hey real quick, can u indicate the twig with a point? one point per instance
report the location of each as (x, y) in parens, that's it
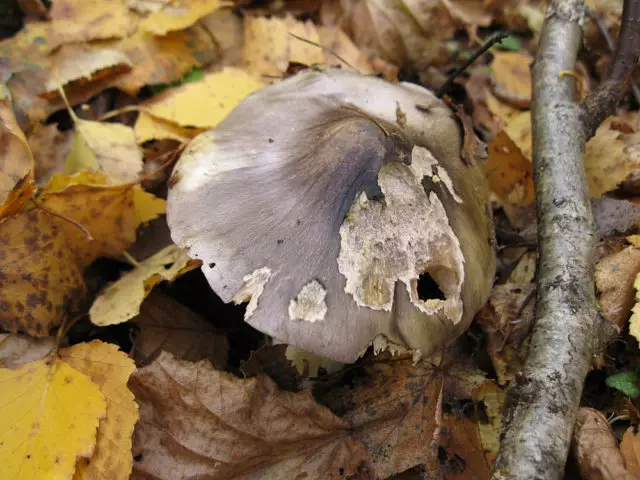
(604, 31)
(544, 401)
(447, 85)
(65, 218)
(602, 101)
(325, 49)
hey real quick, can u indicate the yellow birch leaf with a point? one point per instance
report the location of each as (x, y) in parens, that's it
(17, 184)
(205, 103)
(50, 415)
(634, 321)
(107, 147)
(109, 368)
(40, 280)
(606, 159)
(269, 47)
(152, 128)
(340, 49)
(122, 299)
(179, 15)
(147, 205)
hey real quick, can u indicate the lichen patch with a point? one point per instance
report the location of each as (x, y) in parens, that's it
(252, 289)
(310, 304)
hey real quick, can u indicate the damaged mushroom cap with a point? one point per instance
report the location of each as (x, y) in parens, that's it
(325, 201)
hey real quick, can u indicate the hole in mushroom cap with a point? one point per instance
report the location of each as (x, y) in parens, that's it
(428, 288)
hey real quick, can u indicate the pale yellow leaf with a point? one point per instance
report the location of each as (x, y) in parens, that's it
(512, 72)
(109, 368)
(121, 300)
(634, 321)
(110, 148)
(50, 415)
(153, 128)
(205, 103)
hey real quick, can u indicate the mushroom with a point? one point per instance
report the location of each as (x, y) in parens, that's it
(340, 208)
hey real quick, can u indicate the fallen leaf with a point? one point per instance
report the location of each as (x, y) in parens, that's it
(18, 350)
(40, 281)
(512, 74)
(468, 13)
(634, 321)
(609, 159)
(614, 279)
(178, 15)
(203, 104)
(16, 163)
(339, 50)
(630, 448)
(197, 421)
(269, 45)
(157, 60)
(148, 206)
(595, 448)
(509, 173)
(167, 325)
(147, 6)
(50, 418)
(152, 128)
(50, 147)
(29, 45)
(121, 300)
(525, 271)
(109, 148)
(109, 369)
(82, 20)
(76, 66)
(107, 212)
(227, 28)
(272, 360)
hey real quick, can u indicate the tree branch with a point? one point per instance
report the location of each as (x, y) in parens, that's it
(603, 101)
(544, 401)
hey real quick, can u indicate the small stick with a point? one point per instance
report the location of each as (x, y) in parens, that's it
(65, 218)
(447, 85)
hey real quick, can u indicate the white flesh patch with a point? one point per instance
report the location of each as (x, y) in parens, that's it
(252, 289)
(310, 303)
(400, 238)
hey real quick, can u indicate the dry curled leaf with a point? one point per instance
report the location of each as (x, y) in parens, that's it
(630, 448)
(197, 421)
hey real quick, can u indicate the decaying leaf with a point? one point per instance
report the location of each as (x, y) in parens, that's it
(16, 162)
(109, 369)
(122, 299)
(50, 147)
(166, 325)
(40, 280)
(630, 448)
(18, 350)
(615, 275)
(50, 418)
(197, 421)
(596, 450)
(280, 201)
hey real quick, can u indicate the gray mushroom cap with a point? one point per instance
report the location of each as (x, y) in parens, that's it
(322, 199)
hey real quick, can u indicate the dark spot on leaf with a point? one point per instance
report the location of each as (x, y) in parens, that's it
(167, 266)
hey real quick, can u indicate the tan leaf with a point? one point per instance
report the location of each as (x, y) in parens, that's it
(197, 421)
(122, 299)
(341, 51)
(512, 73)
(614, 278)
(630, 448)
(50, 147)
(179, 15)
(166, 325)
(269, 46)
(16, 163)
(159, 60)
(109, 369)
(18, 350)
(40, 281)
(596, 450)
(83, 20)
